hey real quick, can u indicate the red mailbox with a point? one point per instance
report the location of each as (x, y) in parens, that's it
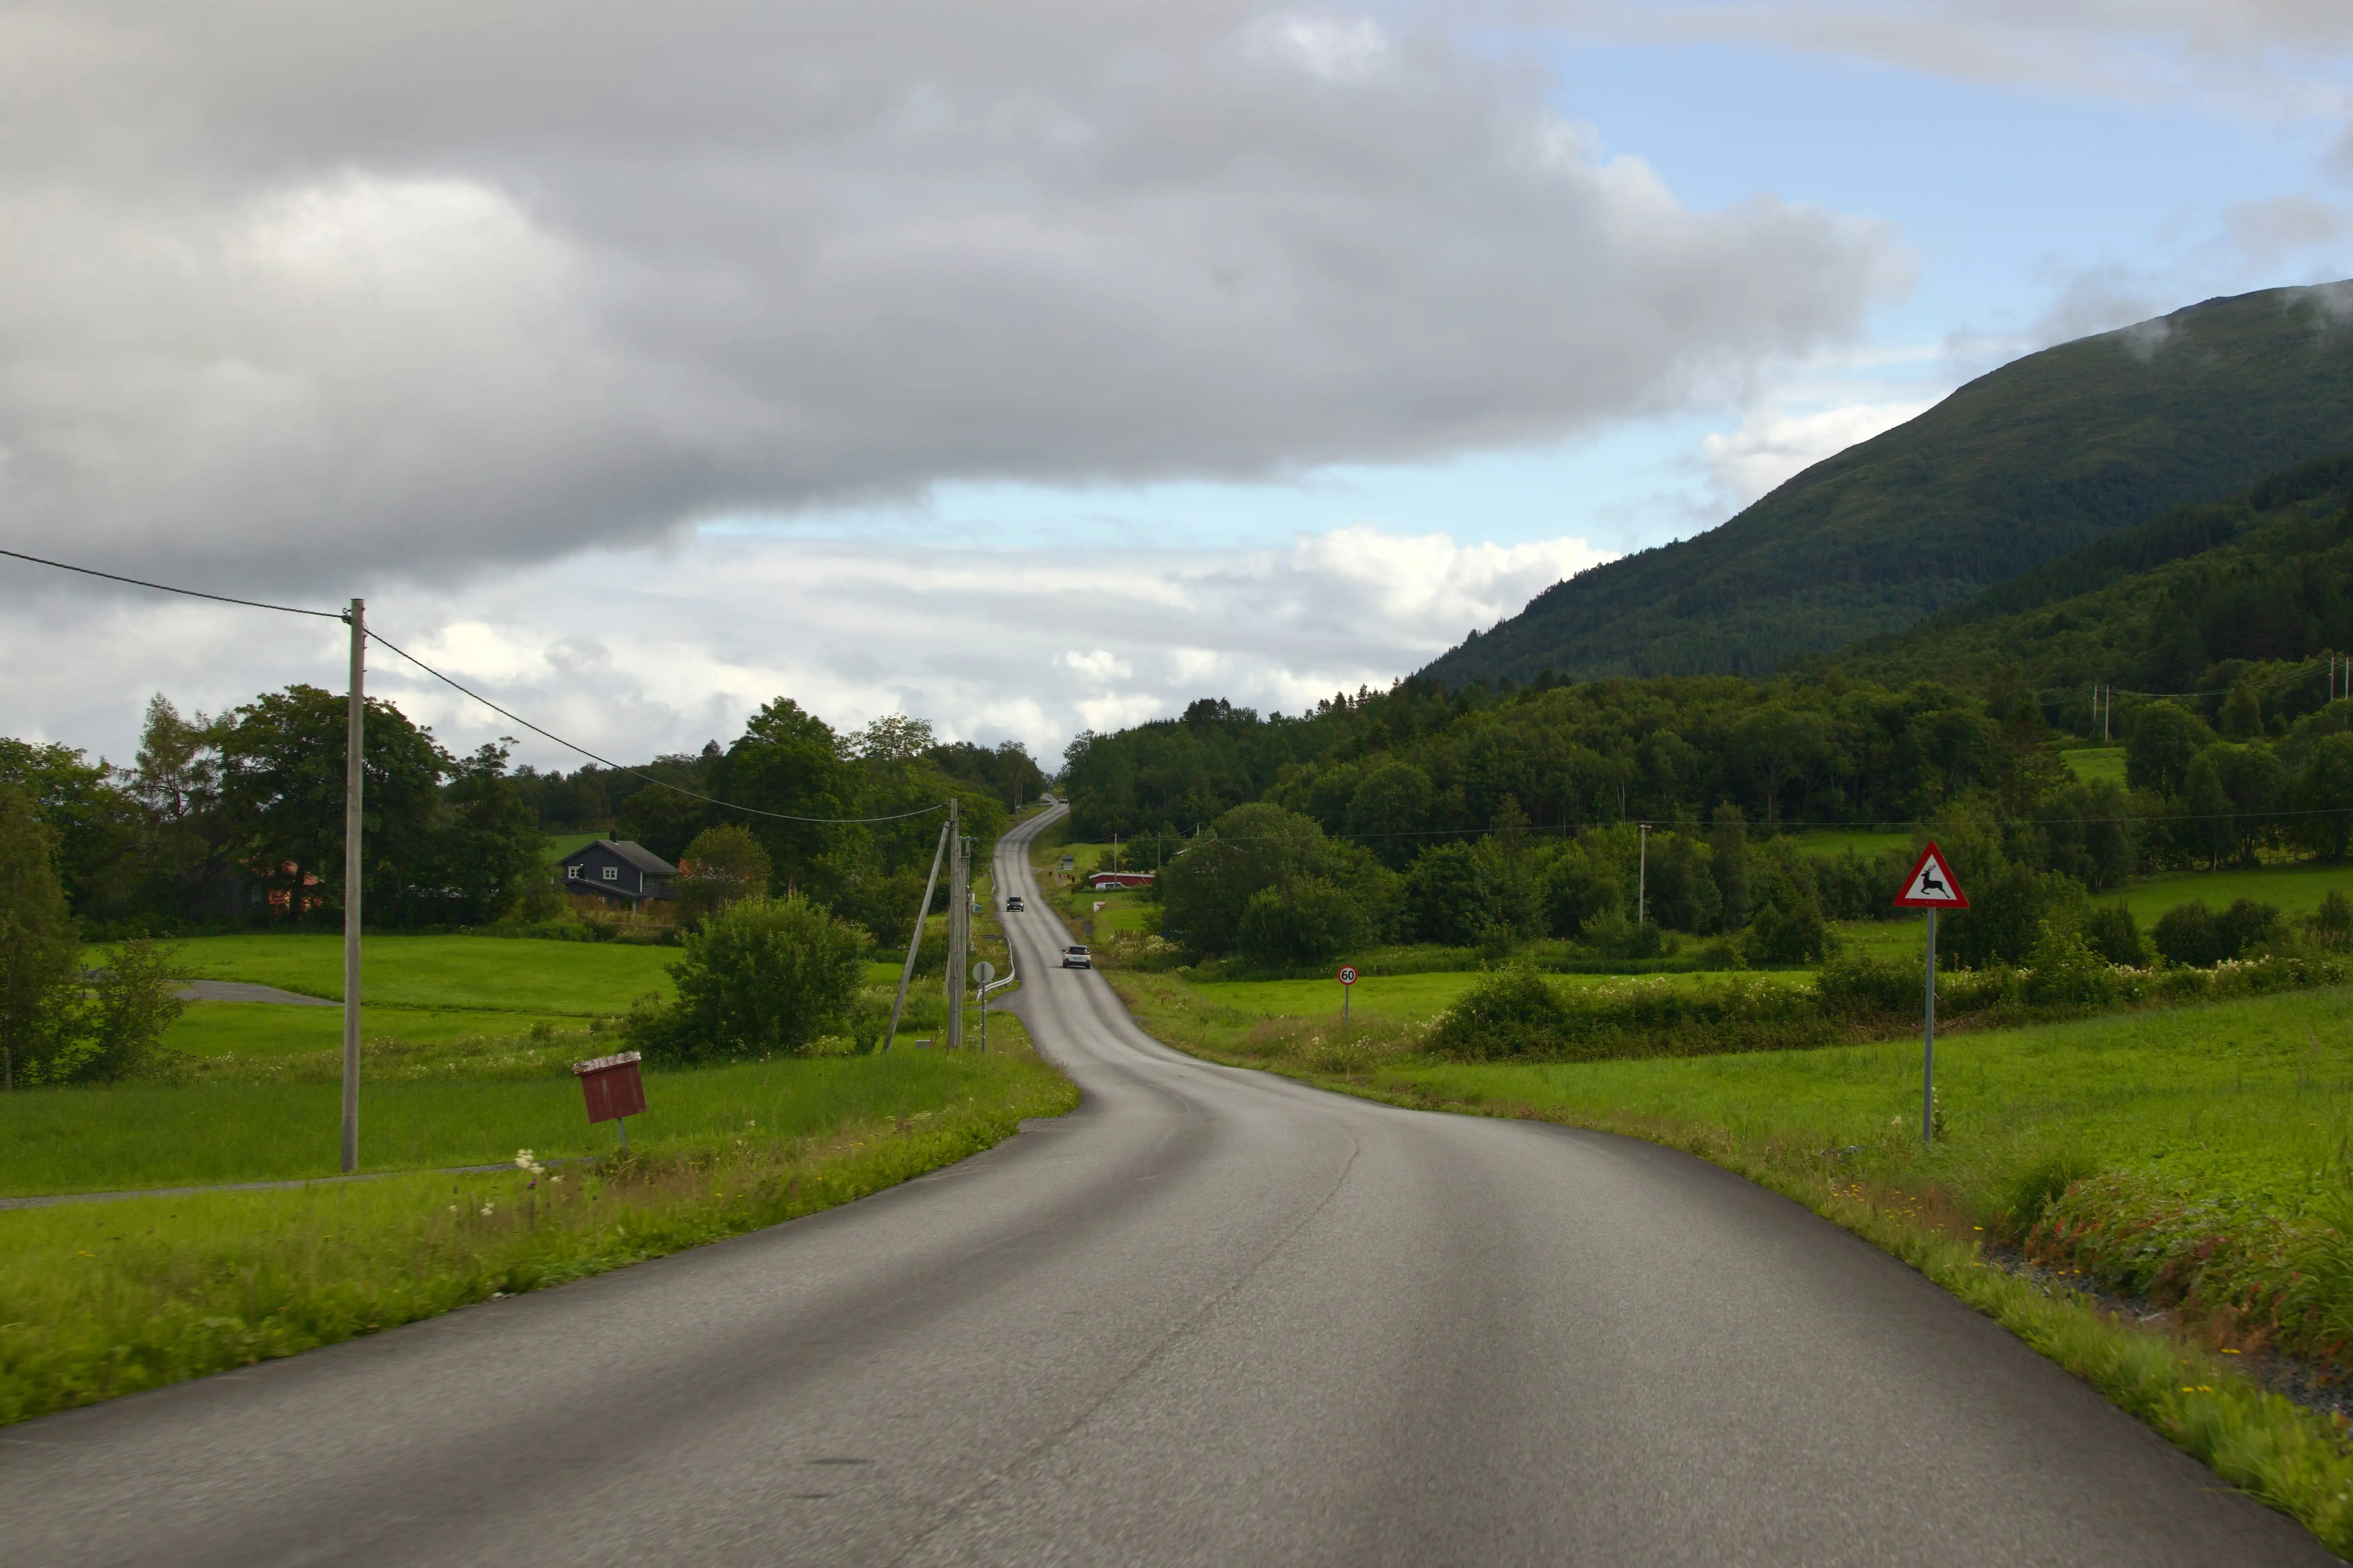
(613, 1089)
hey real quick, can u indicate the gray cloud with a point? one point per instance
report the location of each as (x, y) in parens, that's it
(302, 292)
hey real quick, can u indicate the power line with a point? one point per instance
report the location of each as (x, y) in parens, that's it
(168, 588)
(503, 713)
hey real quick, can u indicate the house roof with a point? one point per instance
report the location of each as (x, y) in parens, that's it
(629, 851)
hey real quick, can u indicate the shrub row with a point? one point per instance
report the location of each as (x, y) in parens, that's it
(1517, 1014)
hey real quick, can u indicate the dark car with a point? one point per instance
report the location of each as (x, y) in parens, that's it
(1013, 903)
(1077, 958)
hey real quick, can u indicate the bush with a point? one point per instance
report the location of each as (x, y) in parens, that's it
(2246, 925)
(2111, 931)
(1857, 985)
(1515, 1014)
(2185, 934)
(2332, 923)
(1779, 935)
(2193, 935)
(1512, 1012)
(2062, 971)
(761, 976)
(1612, 935)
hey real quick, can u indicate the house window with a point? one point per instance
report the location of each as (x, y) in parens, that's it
(572, 873)
(612, 873)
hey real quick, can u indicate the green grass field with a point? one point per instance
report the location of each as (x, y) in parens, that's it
(578, 979)
(154, 1135)
(1865, 841)
(559, 845)
(1392, 998)
(2293, 889)
(275, 1030)
(2095, 764)
(2249, 1098)
(100, 1299)
(2252, 1099)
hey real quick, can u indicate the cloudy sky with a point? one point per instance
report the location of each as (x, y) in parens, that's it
(1037, 366)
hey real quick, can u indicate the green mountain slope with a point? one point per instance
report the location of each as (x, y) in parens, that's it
(2206, 597)
(2022, 466)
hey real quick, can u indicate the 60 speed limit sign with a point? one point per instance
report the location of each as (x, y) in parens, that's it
(1347, 975)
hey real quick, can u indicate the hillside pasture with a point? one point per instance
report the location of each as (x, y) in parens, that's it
(573, 979)
(210, 1029)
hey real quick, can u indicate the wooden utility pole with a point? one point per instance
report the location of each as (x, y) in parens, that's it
(915, 943)
(354, 775)
(959, 925)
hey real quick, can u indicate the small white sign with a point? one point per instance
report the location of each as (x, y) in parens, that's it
(983, 972)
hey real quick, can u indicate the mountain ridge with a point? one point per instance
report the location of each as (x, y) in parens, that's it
(2023, 465)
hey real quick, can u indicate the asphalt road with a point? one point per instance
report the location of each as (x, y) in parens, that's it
(1210, 1317)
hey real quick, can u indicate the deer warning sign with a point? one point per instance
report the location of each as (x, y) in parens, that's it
(1931, 885)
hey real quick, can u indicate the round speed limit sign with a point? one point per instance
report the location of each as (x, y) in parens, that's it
(1347, 975)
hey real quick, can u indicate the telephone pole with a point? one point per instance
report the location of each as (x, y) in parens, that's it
(959, 924)
(354, 738)
(1642, 881)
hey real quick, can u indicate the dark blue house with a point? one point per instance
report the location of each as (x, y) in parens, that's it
(619, 871)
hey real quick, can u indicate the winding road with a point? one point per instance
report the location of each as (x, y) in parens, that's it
(1210, 1317)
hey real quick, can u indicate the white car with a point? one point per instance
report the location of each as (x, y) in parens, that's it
(1077, 958)
(1013, 903)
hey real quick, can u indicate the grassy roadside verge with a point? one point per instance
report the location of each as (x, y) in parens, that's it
(98, 1300)
(2236, 1097)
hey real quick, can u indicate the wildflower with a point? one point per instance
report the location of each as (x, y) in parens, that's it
(523, 1162)
(486, 1210)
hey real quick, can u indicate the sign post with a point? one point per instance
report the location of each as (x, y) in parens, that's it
(1347, 982)
(982, 973)
(1931, 887)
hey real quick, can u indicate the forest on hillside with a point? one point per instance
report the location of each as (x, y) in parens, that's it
(2034, 460)
(1489, 814)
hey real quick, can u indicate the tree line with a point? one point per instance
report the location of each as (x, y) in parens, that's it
(1495, 815)
(236, 819)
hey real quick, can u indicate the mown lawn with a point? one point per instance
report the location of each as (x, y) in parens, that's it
(506, 974)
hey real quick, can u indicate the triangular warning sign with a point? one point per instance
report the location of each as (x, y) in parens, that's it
(1932, 885)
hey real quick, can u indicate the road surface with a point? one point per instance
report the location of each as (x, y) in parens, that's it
(1210, 1317)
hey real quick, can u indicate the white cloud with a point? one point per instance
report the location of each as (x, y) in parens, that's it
(640, 651)
(1772, 445)
(298, 295)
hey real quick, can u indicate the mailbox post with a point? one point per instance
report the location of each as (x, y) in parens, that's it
(614, 1090)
